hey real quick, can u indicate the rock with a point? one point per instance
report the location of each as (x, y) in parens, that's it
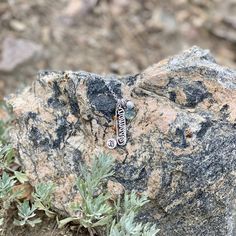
(82, 7)
(17, 25)
(223, 23)
(163, 21)
(181, 147)
(15, 52)
(117, 7)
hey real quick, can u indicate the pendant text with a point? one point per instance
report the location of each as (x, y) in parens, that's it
(120, 125)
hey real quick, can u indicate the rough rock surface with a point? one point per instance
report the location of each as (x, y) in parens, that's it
(181, 146)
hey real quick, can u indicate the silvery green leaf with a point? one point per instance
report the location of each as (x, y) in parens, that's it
(6, 184)
(26, 213)
(150, 230)
(43, 192)
(32, 223)
(132, 202)
(65, 221)
(19, 222)
(22, 177)
(104, 221)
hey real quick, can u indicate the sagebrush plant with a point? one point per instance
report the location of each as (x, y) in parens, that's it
(27, 215)
(6, 156)
(43, 197)
(125, 223)
(10, 179)
(7, 181)
(127, 226)
(5, 125)
(6, 149)
(96, 210)
(6, 185)
(7, 197)
(41, 201)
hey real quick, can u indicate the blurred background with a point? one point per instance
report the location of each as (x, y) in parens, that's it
(107, 36)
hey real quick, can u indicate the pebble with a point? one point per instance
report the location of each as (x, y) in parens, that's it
(17, 25)
(16, 51)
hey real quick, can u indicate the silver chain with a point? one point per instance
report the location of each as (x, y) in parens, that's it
(112, 92)
(118, 100)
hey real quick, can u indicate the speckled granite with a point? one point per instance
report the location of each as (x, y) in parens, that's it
(181, 147)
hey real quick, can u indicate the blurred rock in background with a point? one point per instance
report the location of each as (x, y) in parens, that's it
(107, 36)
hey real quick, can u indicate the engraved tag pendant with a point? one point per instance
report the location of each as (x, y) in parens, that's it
(120, 125)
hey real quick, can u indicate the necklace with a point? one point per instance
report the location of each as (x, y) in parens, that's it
(120, 125)
(123, 107)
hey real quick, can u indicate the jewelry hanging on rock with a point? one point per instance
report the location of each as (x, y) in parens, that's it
(124, 111)
(129, 112)
(120, 124)
(111, 143)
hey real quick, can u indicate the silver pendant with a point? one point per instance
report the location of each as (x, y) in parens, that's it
(120, 125)
(129, 105)
(111, 143)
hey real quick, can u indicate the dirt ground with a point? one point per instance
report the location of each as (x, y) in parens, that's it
(105, 36)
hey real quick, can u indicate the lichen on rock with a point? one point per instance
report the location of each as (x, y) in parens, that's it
(181, 147)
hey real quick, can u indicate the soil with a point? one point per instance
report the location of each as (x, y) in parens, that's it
(105, 36)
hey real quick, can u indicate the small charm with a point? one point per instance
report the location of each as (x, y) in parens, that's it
(129, 105)
(129, 111)
(130, 114)
(120, 125)
(111, 143)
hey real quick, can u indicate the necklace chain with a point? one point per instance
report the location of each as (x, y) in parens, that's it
(111, 91)
(118, 100)
(121, 129)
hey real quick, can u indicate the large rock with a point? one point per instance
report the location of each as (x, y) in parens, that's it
(181, 146)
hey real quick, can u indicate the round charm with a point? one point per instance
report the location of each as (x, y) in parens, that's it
(111, 143)
(130, 105)
(130, 114)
